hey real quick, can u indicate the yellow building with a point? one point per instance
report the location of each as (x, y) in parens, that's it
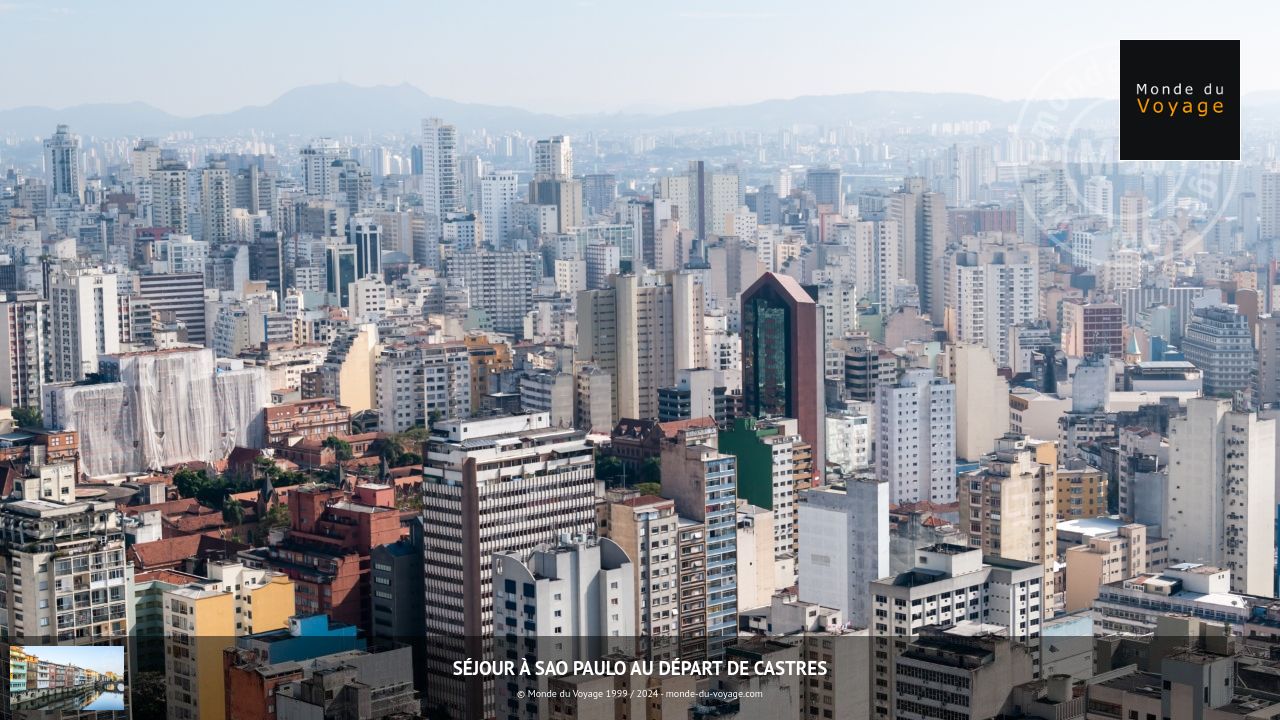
(1082, 493)
(203, 618)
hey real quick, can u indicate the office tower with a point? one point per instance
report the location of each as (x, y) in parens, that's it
(921, 219)
(24, 349)
(352, 185)
(844, 545)
(572, 600)
(62, 162)
(782, 357)
(317, 160)
(507, 483)
(500, 284)
(499, 193)
(602, 261)
(366, 236)
(824, 184)
(642, 330)
(417, 384)
(916, 451)
(1218, 340)
(202, 616)
(170, 205)
(84, 321)
(1008, 506)
(553, 158)
(982, 406)
(702, 482)
(340, 272)
(216, 201)
(993, 287)
(1266, 388)
(1099, 198)
(52, 546)
(599, 191)
(166, 407)
(1221, 506)
(267, 263)
(951, 584)
(1092, 328)
(176, 297)
(439, 174)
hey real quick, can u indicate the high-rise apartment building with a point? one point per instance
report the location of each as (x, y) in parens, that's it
(62, 162)
(217, 197)
(992, 288)
(982, 406)
(170, 201)
(1008, 506)
(916, 448)
(642, 330)
(84, 321)
(553, 157)
(1092, 328)
(499, 193)
(416, 384)
(844, 544)
(24, 349)
(500, 484)
(500, 284)
(1221, 508)
(440, 192)
(921, 219)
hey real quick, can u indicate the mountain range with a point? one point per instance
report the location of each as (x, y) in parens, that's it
(345, 109)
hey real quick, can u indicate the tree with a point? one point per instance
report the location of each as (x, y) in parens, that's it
(648, 488)
(277, 516)
(233, 512)
(609, 469)
(651, 471)
(28, 417)
(341, 448)
(147, 694)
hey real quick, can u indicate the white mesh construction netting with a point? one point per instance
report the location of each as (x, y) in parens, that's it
(169, 407)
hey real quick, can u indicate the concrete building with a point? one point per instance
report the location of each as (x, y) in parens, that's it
(642, 331)
(646, 527)
(574, 598)
(479, 478)
(499, 284)
(951, 584)
(62, 162)
(1221, 505)
(1110, 558)
(84, 321)
(849, 441)
(416, 383)
(24, 349)
(982, 411)
(703, 483)
(992, 288)
(1092, 328)
(1008, 507)
(961, 671)
(1218, 340)
(916, 438)
(844, 545)
(1082, 491)
(1135, 605)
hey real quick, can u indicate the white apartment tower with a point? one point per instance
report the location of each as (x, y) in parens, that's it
(916, 452)
(499, 192)
(84, 321)
(844, 544)
(439, 173)
(993, 287)
(1220, 506)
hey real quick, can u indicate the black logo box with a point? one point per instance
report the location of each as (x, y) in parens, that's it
(1187, 68)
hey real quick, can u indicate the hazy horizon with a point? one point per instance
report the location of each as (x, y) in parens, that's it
(584, 57)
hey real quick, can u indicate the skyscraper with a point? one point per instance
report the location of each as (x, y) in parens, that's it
(1219, 342)
(24, 318)
(642, 330)
(824, 183)
(366, 236)
(1221, 507)
(500, 484)
(439, 173)
(84, 321)
(782, 357)
(216, 199)
(553, 158)
(62, 160)
(916, 450)
(922, 230)
(498, 195)
(169, 202)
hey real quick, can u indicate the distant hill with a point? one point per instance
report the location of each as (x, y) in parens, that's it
(342, 109)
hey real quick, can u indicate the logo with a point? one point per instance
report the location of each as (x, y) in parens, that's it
(1179, 99)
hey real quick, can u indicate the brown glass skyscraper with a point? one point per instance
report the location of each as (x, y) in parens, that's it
(782, 358)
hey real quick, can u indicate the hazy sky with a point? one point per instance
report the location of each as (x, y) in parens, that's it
(576, 56)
